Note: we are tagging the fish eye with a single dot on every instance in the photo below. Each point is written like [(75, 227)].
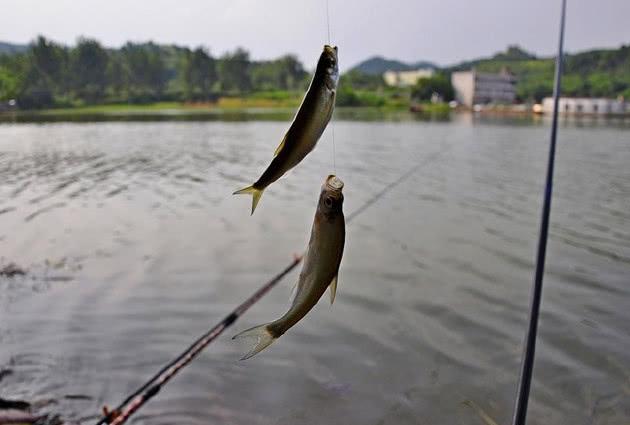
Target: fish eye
[(328, 202)]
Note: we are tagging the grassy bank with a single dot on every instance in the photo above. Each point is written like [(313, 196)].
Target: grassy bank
[(260, 100), (223, 105), (259, 106)]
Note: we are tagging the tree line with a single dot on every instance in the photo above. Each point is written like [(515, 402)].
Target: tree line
[(51, 74)]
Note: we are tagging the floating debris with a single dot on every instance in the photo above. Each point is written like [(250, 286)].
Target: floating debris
[(78, 397), (16, 412), (14, 404), (4, 373), (12, 270), (487, 419)]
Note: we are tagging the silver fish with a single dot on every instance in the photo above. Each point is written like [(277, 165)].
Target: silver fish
[(320, 269), (307, 127)]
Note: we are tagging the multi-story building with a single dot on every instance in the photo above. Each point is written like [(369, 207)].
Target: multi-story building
[(406, 78), (474, 88), (586, 105)]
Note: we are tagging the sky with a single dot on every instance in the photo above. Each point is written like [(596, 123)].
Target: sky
[(441, 31)]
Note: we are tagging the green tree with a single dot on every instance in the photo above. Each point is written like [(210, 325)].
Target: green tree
[(9, 84), (234, 71), (12, 72), (285, 73), (360, 80), (117, 76), (347, 97), (291, 72), (199, 74), (44, 74), (88, 64), (439, 83), (145, 71), (48, 59)]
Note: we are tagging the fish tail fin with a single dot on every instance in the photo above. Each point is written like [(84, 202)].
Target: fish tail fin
[(256, 194), (263, 337)]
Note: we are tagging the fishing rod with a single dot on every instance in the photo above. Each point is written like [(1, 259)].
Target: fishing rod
[(529, 350), (144, 393), (147, 391)]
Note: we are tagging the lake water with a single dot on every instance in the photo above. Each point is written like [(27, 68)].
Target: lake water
[(134, 246)]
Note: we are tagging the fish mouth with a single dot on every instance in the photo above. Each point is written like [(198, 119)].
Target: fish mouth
[(333, 183), (330, 49)]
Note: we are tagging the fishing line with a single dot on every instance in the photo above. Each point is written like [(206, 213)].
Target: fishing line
[(332, 129), (332, 122), (328, 21), (153, 386)]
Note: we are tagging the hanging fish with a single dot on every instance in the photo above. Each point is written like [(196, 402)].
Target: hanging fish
[(307, 126), (320, 269)]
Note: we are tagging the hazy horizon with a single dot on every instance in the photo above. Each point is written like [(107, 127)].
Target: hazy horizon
[(269, 30)]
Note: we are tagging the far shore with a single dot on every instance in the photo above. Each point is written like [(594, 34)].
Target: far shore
[(224, 108), (250, 109)]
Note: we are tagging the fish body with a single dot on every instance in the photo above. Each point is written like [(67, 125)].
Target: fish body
[(307, 127), (320, 269)]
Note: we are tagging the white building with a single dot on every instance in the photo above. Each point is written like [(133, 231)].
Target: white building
[(586, 105), (406, 78), (474, 88)]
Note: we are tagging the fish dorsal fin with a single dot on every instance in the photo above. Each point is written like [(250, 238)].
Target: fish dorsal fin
[(280, 146), (333, 289)]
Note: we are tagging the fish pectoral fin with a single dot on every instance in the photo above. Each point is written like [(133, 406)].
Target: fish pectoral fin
[(280, 146), (333, 289)]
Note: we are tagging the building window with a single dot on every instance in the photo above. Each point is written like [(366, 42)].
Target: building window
[(595, 108), (578, 107)]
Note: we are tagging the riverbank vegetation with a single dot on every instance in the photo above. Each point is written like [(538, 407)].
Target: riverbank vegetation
[(46, 74), (50, 75)]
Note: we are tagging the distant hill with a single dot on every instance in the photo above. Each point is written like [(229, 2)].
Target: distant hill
[(10, 48), (513, 54), (602, 72), (377, 65)]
